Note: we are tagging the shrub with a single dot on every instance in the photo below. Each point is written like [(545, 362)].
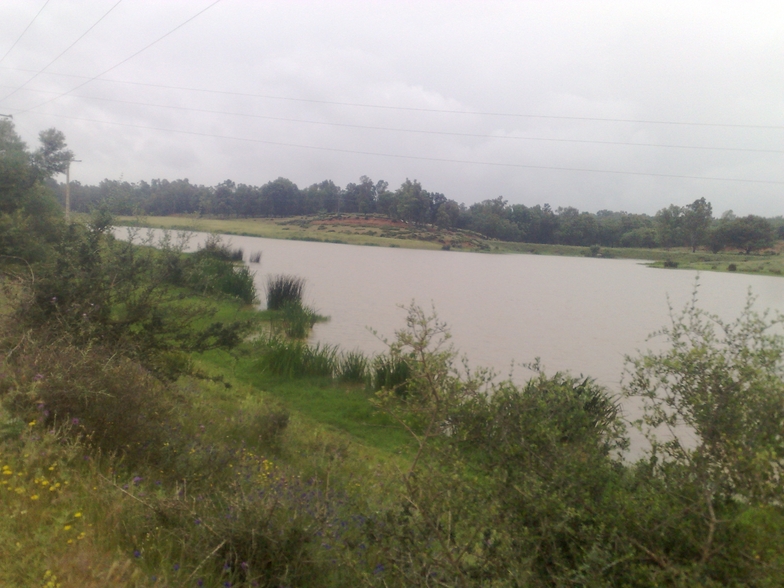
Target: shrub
[(670, 263), (282, 289), (113, 402), (212, 274), (732, 267), (269, 427), (255, 257), (215, 247)]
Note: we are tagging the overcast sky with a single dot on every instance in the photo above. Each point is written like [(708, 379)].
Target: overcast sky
[(474, 99)]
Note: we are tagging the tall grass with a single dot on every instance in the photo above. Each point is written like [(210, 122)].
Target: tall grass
[(282, 289), (353, 366), (298, 320), (391, 373), (284, 357), (255, 257)]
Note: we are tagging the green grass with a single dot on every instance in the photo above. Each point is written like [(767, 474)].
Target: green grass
[(341, 406)]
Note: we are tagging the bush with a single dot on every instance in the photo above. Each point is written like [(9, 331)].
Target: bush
[(212, 274), (215, 248), (114, 403), (282, 289), (670, 263), (732, 267)]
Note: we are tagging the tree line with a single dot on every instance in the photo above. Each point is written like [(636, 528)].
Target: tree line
[(692, 225)]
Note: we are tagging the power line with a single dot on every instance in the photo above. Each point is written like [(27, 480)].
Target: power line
[(424, 132), (39, 72), (116, 65), (412, 109), (421, 158), (25, 30)]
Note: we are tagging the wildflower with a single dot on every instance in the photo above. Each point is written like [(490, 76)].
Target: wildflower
[(31, 423), (67, 528), (38, 378), (137, 553), (34, 497), (74, 421), (136, 480), (176, 567), (77, 515)]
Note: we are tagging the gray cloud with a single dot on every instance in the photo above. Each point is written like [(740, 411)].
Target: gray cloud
[(699, 62)]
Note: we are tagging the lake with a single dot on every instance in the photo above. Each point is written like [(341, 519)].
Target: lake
[(581, 315)]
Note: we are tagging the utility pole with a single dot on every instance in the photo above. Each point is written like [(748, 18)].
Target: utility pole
[(68, 189)]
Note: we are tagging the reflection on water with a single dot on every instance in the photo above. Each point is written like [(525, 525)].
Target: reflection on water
[(577, 314)]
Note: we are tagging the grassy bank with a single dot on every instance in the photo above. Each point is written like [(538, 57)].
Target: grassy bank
[(361, 230)]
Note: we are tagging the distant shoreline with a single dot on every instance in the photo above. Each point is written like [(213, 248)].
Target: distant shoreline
[(357, 229)]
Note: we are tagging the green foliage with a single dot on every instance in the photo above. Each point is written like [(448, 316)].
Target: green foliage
[(353, 366), (720, 383), (52, 157), (295, 358), (112, 403), (284, 289), (390, 372), (297, 320)]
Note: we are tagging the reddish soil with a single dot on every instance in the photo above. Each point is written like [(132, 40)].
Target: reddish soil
[(370, 222)]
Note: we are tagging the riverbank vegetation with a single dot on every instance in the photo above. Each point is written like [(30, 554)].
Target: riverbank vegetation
[(368, 213), (416, 210), (157, 430), (370, 230)]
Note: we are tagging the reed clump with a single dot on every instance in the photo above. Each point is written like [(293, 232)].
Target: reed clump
[(283, 289), (291, 358)]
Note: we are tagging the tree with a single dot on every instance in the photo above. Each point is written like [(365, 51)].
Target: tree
[(696, 221), (751, 233), (52, 157), (413, 202), (669, 224)]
